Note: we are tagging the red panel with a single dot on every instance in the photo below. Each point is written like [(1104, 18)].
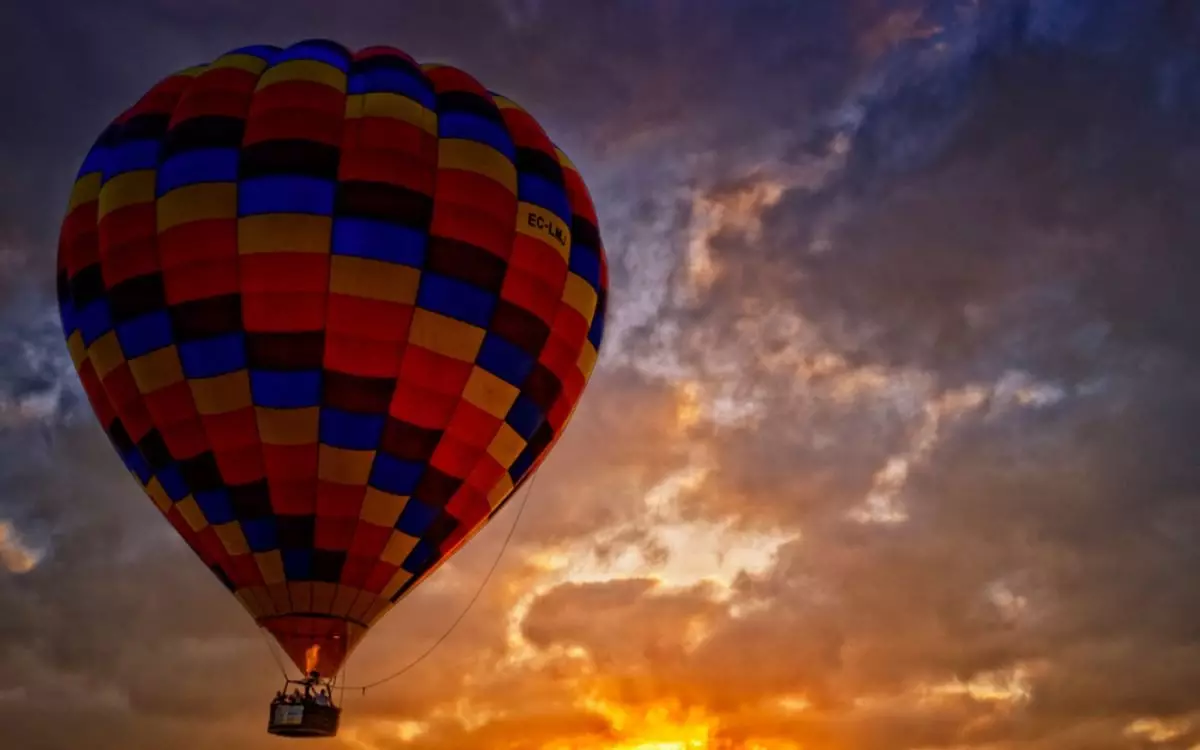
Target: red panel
[(454, 458), (448, 78), (368, 318), (422, 407), (300, 123), (283, 312), (243, 570), (295, 498), (531, 293), (171, 404), (486, 473), (185, 438), (340, 500), (395, 164), (473, 426), (381, 575), (536, 258), (234, 429), (369, 542), (241, 465), (285, 272), (434, 372), (468, 505), (123, 395), (287, 462), (336, 534), (383, 51), (356, 356), (208, 239), (126, 225), (201, 280), (356, 569), (559, 357)]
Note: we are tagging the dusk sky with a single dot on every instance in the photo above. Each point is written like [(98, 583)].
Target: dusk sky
[(894, 440)]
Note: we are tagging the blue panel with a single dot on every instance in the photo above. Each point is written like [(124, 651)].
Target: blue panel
[(525, 416), (585, 263), (131, 157), (416, 518), (261, 534), (95, 320), (261, 51), (195, 167), (285, 390), (356, 432), (390, 80), (504, 360), (522, 464), (539, 191), (172, 481), (297, 564), (285, 194), (379, 240), (144, 334), (420, 557), (456, 299), (596, 333), (311, 49), (95, 161), (216, 506), (137, 463), (393, 475), (475, 128), (219, 355)]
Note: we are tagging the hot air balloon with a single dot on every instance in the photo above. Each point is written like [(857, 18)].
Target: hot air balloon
[(331, 309)]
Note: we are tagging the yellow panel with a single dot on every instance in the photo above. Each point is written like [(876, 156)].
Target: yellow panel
[(587, 359), (322, 596), (106, 355), (506, 446), (222, 394), (85, 190), (381, 508), (301, 594), (288, 426), (232, 538), (158, 495), (156, 370), (343, 600), (344, 466), (490, 393), (458, 153), (263, 597), (192, 514), (373, 279), (364, 602), (127, 189), (76, 349), (502, 489), (280, 597), (376, 610), (540, 224), (191, 71), (284, 233), (565, 160), (580, 295), (397, 548), (270, 564), (211, 200), (241, 61), (503, 102), (446, 336), (250, 602), (395, 106), (304, 70), (402, 577)]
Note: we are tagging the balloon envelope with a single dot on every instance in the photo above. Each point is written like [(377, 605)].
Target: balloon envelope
[(331, 307)]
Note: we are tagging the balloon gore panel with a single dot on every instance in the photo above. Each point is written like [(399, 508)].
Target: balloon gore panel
[(331, 307)]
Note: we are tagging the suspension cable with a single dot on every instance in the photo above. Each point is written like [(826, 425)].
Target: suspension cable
[(461, 615)]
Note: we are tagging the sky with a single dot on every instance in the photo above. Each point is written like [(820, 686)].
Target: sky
[(894, 442)]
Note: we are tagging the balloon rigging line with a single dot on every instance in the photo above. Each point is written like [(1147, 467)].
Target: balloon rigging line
[(461, 615), (278, 662)]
